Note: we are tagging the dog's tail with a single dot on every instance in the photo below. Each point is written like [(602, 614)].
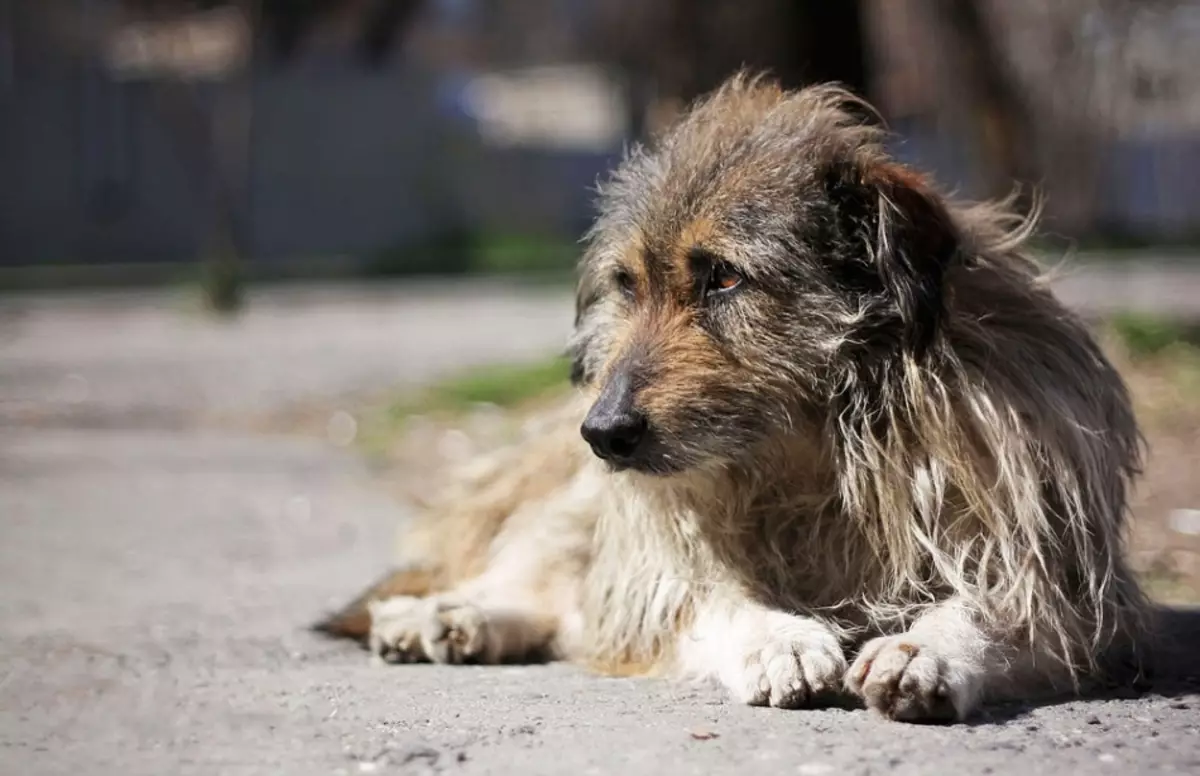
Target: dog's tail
[(353, 621)]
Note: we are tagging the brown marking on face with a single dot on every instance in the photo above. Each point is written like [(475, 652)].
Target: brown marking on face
[(697, 233), (678, 362), (658, 343), (633, 264)]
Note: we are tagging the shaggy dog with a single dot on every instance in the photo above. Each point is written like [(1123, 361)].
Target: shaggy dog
[(823, 412)]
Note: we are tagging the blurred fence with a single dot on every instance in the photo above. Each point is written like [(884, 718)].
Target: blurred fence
[(319, 158), (110, 158)]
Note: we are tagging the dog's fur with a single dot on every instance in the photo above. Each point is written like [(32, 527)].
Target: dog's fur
[(889, 437)]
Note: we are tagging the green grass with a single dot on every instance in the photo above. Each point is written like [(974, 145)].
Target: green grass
[(1159, 357), (482, 252), (1166, 585), (506, 253), (507, 386), (1148, 335), (504, 385)]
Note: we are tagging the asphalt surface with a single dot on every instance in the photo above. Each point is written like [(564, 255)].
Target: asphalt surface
[(158, 565)]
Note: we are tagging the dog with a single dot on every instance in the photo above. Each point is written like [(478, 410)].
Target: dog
[(831, 434)]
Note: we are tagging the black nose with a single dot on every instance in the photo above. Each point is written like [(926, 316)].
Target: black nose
[(614, 436), (614, 427)]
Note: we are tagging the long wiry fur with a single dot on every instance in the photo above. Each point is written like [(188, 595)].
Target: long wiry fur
[(897, 441)]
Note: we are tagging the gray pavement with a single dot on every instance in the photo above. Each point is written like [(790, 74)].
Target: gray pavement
[(157, 566), (122, 359), (1148, 284)]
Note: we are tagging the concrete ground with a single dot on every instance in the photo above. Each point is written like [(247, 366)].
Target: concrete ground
[(158, 565)]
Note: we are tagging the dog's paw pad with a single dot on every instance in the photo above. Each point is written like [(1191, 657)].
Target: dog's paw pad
[(909, 681)]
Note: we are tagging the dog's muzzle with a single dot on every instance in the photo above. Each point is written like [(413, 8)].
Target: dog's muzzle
[(616, 430)]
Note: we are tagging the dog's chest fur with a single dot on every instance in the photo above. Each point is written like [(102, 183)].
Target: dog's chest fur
[(663, 548)]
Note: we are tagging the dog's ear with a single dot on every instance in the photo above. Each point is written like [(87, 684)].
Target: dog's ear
[(909, 239)]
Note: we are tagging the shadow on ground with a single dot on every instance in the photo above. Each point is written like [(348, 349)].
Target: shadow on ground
[(1171, 669)]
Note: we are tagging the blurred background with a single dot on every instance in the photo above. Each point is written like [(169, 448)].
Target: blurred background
[(268, 267), (316, 137)]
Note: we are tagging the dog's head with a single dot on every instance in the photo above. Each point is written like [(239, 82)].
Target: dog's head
[(738, 269)]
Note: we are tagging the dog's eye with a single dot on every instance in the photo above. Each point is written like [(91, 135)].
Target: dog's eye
[(722, 278), (625, 284)]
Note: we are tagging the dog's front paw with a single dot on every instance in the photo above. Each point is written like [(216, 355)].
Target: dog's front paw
[(908, 679), (455, 633), (415, 630), (396, 626), (790, 671)]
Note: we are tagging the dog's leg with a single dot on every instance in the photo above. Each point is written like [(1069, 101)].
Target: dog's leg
[(458, 627), (762, 656), (527, 595), (512, 612), (937, 671)]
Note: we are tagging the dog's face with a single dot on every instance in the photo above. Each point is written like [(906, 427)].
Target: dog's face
[(762, 253)]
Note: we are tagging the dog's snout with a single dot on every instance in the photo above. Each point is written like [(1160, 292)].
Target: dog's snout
[(615, 436), (614, 427)]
